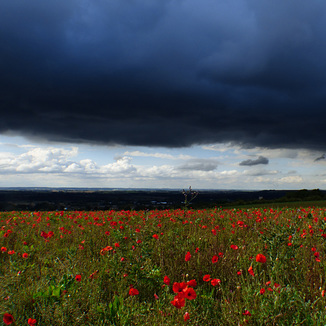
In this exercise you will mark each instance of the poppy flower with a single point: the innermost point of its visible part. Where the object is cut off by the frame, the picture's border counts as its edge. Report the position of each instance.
(179, 287)
(192, 283)
(44, 235)
(186, 316)
(155, 236)
(251, 271)
(234, 247)
(166, 280)
(11, 252)
(189, 293)
(8, 319)
(247, 313)
(215, 281)
(31, 322)
(78, 278)
(178, 302)
(133, 291)
(260, 258)
(206, 278)
(25, 255)
(188, 256)
(3, 249)
(214, 259)
(262, 291)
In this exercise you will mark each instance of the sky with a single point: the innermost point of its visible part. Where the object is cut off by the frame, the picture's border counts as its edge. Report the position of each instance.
(163, 94)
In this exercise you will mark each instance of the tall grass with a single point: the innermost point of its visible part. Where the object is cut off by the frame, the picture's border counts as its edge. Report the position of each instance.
(123, 267)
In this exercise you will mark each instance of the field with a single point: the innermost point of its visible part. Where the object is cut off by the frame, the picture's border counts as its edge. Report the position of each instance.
(249, 266)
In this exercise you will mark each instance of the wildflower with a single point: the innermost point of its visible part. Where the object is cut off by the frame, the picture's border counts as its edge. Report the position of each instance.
(8, 319)
(234, 247)
(93, 274)
(214, 259)
(215, 281)
(188, 256)
(25, 255)
(11, 252)
(186, 316)
(192, 283)
(166, 280)
(117, 245)
(239, 272)
(189, 293)
(78, 278)
(44, 235)
(179, 287)
(260, 258)
(133, 291)
(251, 271)
(247, 313)
(206, 278)
(31, 322)
(3, 249)
(178, 302)
(262, 291)
(155, 236)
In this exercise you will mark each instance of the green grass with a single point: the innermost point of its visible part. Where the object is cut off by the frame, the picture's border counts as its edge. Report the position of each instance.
(114, 251)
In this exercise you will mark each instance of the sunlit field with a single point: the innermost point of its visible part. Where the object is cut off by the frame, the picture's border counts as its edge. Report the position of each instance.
(258, 266)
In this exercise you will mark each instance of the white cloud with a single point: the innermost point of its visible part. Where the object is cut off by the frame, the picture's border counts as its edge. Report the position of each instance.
(158, 155)
(291, 179)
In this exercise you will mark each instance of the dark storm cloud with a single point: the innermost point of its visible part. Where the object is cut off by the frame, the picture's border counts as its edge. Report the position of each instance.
(320, 158)
(259, 160)
(166, 73)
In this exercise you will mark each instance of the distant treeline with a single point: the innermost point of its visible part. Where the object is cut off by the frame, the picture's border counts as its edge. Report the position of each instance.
(46, 200)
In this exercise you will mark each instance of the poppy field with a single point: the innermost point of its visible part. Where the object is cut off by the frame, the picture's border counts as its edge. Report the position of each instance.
(258, 266)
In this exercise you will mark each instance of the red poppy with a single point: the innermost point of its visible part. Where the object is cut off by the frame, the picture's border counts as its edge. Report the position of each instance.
(178, 302)
(192, 283)
(260, 258)
(44, 234)
(25, 255)
(214, 259)
(262, 291)
(3, 249)
(166, 280)
(133, 291)
(206, 278)
(188, 256)
(186, 316)
(11, 252)
(247, 313)
(234, 247)
(155, 236)
(179, 287)
(31, 322)
(78, 278)
(215, 281)
(8, 319)
(189, 293)
(251, 271)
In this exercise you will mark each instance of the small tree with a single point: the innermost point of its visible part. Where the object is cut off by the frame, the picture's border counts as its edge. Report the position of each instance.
(189, 195)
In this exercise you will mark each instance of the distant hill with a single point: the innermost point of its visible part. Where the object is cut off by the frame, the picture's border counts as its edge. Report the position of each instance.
(105, 199)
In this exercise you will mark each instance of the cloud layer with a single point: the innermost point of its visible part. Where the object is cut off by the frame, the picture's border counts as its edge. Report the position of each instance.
(169, 73)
